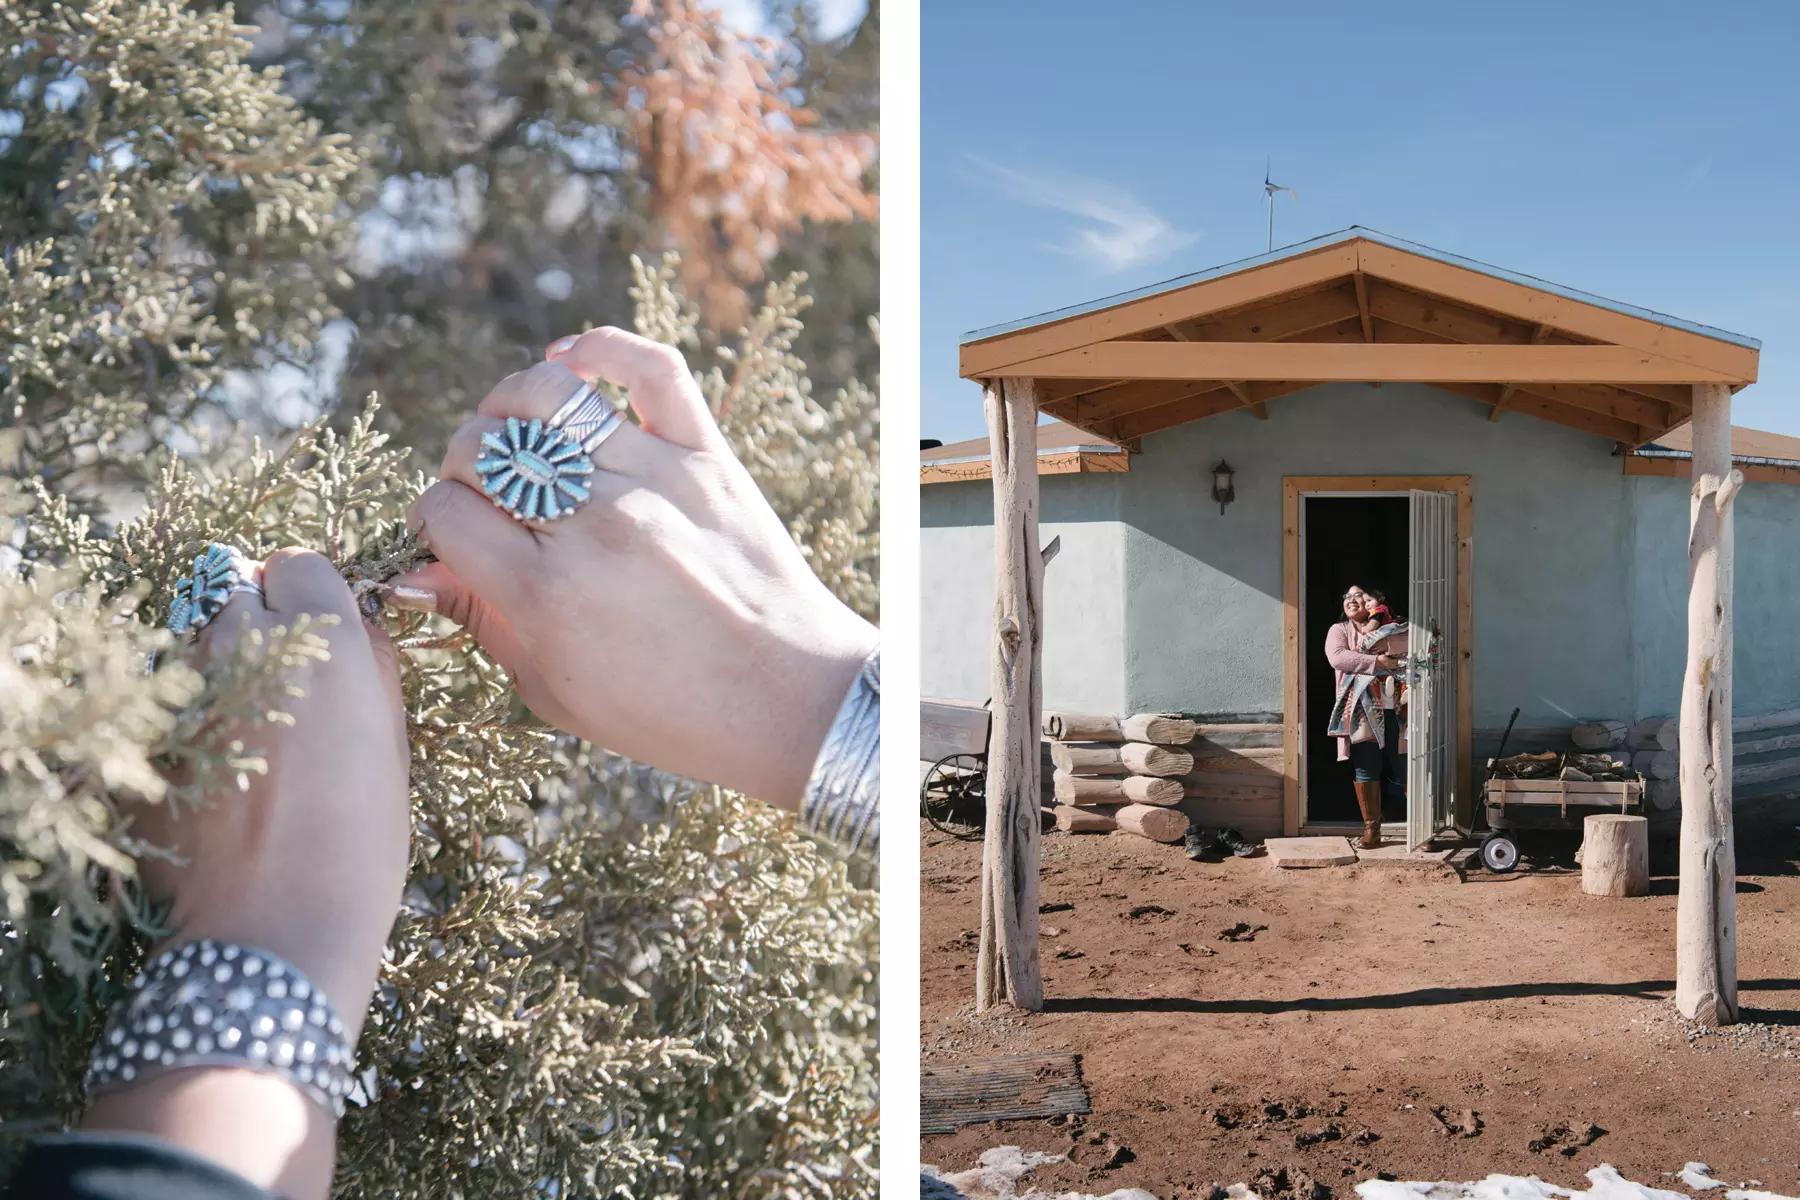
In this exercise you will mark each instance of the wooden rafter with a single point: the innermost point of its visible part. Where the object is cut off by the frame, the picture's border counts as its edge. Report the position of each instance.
(1280, 318)
(1600, 425)
(1536, 305)
(1059, 391)
(1506, 392)
(1257, 408)
(1362, 308)
(1147, 394)
(1197, 407)
(1321, 363)
(1209, 296)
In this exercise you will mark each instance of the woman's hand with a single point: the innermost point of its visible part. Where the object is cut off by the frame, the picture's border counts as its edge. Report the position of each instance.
(671, 619)
(1388, 662)
(308, 864)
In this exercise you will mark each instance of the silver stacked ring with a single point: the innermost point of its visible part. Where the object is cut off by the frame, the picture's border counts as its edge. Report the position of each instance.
(537, 470)
(212, 1003)
(220, 572)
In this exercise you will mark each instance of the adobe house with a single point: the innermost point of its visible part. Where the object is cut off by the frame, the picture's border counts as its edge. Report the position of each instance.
(1506, 458)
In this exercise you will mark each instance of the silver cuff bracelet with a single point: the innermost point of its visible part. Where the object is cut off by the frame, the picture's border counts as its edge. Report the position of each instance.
(209, 1003)
(843, 799)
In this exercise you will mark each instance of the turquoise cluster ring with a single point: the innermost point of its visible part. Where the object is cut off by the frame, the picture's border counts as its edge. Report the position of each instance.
(220, 572)
(536, 471)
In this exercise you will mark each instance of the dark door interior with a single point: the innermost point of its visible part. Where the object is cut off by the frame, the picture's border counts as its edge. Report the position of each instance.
(1349, 540)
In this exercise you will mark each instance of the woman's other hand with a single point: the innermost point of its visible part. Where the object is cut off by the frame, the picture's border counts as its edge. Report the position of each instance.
(670, 619)
(1388, 662)
(308, 863)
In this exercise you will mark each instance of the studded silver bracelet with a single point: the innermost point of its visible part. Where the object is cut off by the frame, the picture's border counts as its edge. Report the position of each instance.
(843, 798)
(212, 1003)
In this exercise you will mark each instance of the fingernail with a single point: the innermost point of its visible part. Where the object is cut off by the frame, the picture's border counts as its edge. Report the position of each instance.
(416, 599)
(561, 346)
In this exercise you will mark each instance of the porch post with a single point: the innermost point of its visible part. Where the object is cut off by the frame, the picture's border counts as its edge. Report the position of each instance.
(1706, 912)
(1007, 968)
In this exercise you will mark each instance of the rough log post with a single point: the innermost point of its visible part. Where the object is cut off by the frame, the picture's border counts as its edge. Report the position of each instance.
(1706, 911)
(1007, 969)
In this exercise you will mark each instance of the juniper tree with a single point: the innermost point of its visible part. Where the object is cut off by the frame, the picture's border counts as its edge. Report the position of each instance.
(604, 979)
(519, 153)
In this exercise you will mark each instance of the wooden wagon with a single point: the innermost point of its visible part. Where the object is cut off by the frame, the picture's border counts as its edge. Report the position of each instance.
(953, 739)
(1515, 804)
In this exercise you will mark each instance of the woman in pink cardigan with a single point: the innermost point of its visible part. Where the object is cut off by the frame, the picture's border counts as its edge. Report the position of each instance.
(1364, 650)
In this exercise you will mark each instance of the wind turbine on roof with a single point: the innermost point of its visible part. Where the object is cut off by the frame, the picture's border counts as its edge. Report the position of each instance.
(1269, 190)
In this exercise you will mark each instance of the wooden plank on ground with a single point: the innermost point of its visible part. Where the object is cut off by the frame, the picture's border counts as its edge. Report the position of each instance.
(1015, 1087)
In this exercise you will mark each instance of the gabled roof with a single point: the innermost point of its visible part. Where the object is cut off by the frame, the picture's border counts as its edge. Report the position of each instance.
(1361, 306)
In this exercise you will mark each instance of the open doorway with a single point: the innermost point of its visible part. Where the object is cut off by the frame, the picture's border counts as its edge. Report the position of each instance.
(1362, 540)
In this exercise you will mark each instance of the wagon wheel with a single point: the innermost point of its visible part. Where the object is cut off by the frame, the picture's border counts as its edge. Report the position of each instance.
(954, 795)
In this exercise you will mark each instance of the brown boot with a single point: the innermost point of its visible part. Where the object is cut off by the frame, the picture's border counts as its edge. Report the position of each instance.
(1368, 798)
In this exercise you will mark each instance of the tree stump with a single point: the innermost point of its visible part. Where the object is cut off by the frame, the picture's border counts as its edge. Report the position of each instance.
(1615, 855)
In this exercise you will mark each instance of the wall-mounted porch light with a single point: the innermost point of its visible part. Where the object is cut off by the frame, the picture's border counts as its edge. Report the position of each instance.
(1222, 491)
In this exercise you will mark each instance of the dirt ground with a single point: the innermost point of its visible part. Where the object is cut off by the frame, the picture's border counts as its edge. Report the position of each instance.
(1425, 1024)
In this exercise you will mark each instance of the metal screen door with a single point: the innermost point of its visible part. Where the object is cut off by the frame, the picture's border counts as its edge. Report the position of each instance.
(1431, 674)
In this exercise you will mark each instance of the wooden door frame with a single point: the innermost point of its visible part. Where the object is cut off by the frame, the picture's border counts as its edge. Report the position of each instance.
(1292, 718)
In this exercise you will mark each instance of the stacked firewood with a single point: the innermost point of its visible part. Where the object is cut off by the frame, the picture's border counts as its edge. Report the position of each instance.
(1121, 772)
(1574, 768)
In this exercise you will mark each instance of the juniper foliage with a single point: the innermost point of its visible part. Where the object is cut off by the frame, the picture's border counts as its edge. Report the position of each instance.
(604, 980)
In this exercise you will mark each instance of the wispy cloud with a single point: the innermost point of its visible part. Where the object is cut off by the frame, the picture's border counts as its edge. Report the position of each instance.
(1116, 229)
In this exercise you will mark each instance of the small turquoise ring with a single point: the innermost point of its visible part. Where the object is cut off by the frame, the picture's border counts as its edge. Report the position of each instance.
(220, 572)
(536, 471)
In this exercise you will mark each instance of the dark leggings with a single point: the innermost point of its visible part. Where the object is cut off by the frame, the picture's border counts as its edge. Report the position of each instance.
(1386, 763)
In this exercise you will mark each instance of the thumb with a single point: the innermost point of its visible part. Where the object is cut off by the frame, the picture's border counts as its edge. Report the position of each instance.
(435, 588)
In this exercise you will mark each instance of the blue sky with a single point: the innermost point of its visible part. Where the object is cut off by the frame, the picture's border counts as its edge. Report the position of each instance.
(1648, 152)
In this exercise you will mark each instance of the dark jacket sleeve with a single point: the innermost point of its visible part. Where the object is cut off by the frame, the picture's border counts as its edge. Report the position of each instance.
(122, 1167)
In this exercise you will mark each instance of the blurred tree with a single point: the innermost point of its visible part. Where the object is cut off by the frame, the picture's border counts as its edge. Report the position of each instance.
(519, 152)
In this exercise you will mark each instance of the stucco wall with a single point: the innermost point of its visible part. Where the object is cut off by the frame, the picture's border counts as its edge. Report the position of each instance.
(1552, 549)
(1084, 591)
(1765, 667)
(1159, 602)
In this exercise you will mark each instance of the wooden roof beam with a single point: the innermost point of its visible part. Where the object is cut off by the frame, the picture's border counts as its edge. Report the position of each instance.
(1599, 425)
(1214, 295)
(1380, 363)
(1257, 408)
(1278, 319)
(1200, 406)
(1607, 401)
(1362, 308)
(1139, 396)
(1520, 302)
(1059, 391)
